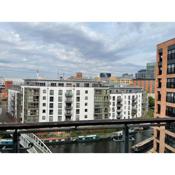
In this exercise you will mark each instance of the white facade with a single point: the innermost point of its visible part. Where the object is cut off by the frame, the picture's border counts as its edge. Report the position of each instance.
(52, 103)
(54, 100)
(122, 105)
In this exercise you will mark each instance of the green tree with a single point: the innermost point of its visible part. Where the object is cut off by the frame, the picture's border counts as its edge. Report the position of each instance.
(151, 102)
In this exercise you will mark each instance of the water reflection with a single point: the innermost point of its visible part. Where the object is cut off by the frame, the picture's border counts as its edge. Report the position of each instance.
(107, 146)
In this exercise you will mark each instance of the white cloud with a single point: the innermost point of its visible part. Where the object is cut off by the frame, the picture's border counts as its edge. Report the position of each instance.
(71, 47)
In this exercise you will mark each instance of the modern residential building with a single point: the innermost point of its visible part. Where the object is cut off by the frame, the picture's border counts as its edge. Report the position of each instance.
(64, 100)
(125, 103)
(147, 85)
(165, 96)
(61, 100)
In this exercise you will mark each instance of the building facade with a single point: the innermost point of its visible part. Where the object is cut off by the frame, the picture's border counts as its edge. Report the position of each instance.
(141, 74)
(147, 85)
(63, 100)
(165, 96)
(125, 103)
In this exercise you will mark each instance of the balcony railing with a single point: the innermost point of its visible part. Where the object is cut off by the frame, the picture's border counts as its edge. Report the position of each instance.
(17, 129)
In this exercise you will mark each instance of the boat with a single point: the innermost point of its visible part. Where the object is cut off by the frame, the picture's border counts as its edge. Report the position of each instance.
(120, 139)
(87, 138)
(4, 142)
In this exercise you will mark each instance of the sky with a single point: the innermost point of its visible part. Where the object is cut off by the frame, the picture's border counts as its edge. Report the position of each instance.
(91, 48)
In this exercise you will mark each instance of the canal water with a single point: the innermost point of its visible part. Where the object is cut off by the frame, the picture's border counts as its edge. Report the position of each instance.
(101, 146)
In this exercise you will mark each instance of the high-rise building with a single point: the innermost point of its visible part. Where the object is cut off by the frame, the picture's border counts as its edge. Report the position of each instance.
(150, 71)
(141, 74)
(164, 136)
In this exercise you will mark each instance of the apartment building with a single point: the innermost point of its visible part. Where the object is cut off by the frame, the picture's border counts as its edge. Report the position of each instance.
(164, 137)
(147, 85)
(64, 100)
(125, 103)
(61, 100)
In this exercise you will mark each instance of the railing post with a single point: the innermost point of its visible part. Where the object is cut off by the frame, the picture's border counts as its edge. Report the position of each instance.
(16, 141)
(126, 138)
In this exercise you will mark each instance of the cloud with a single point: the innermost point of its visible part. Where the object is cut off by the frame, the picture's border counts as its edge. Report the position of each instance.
(70, 47)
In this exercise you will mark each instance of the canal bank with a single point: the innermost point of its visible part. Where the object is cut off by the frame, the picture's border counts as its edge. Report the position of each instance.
(100, 146)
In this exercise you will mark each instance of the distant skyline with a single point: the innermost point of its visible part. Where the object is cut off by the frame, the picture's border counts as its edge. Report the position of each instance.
(90, 48)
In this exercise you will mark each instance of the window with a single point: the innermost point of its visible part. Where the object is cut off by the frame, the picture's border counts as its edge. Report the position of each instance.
(59, 105)
(85, 110)
(51, 105)
(86, 84)
(86, 104)
(170, 82)
(113, 98)
(43, 117)
(60, 92)
(44, 91)
(59, 111)
(53, 84)
(51, 98)
(50, 112)
(59, 118)
(51, 92)
(77, 111)
(44, 97)
(77, 84)
(85, 116)
(61, 84)
(170, 97)
(86, 91)
(60, 99)
(77, 105)
(78, 92)
(86, 97)
(50, 118)
(44, 111)
(170, 111)
(44, 104)
(78, 98)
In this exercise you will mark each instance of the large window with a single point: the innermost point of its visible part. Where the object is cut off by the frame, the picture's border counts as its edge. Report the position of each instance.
(171, 69)
(60, 92)
(171, 52)
(51, 92)
(170, 97)
(170, 82)
(170, 111)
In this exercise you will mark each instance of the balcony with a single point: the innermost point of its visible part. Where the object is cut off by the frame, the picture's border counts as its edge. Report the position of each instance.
(68, 94)
(68, 100)
(68, 107)
(18, 130)
(68, 113)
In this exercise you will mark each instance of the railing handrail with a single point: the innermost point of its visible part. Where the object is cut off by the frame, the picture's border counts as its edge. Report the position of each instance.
(17, 126)
(38, 142)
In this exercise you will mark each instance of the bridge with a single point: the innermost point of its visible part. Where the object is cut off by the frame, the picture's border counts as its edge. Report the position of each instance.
(24, 133)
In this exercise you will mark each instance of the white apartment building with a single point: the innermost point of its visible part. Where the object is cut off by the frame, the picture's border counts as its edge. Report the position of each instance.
(65, 100)
(59, 100)
(125, 103)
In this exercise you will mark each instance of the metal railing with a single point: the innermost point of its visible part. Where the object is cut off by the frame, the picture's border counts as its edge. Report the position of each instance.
(19, 129)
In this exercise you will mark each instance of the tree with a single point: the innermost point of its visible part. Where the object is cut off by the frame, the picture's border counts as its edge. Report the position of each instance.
(151, 102)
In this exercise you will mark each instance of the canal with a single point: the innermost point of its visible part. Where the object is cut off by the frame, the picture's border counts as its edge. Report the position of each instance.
(101, 146)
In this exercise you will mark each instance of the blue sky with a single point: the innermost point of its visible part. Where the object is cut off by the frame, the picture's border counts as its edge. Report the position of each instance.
(70, 47)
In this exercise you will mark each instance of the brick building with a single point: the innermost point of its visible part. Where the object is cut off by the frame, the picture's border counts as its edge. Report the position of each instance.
(164, 136)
